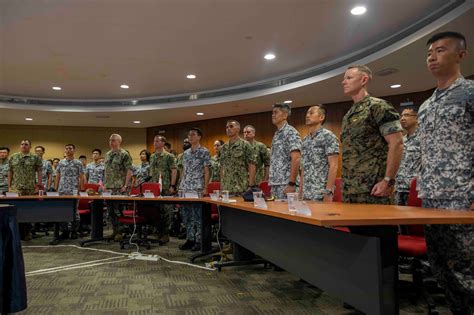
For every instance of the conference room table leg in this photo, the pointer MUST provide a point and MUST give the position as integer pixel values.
(97, 223)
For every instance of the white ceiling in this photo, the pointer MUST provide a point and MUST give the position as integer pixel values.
(91, 47)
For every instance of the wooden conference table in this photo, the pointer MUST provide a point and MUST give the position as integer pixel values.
(346, 265)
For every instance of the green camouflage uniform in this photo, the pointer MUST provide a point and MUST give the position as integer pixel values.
(215, 169)
(364, 149)
(24, 168)
(263, 159)
(234, 159)
(179, 167)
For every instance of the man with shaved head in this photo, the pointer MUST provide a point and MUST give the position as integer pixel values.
(261, 154)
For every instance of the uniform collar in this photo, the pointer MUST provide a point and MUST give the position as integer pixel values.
(283, 127)
(437, 94)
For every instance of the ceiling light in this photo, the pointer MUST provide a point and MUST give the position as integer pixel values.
(395, 86)
(29, 119)
(200, 114)
(191, 76)
(124, 86)
(137, 122)
(288, 102)
(57, 88)
(269, 56)
(358, 10)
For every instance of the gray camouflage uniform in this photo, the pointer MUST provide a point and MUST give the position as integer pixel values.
(194, 162)
(46, 169)
(446, 182)
(95, 172)
(3, 176)
(286, 140)
(69, 172)
(314, 162)
(409, 168)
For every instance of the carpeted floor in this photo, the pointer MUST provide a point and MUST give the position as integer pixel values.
(144, 287)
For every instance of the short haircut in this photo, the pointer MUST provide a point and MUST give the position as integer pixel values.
(5, 149)
(283, 107)
(147, 153)
(250, 126)
(29, 141)
(41, 147)
(220, 141)
(233, 121)
(197, 130)
(168, 145)
(73, 146)
(363, 69)
(56, 159)
(97, 150)
(461, 40)
(117, 136)
(322, 110)
(82, 157)
(162, 138)
(412, 109)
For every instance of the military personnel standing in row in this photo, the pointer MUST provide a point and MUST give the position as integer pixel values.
(411, 159)
(4, 152)
(215, 165)
(46, 169)
(447, 157)
(179, 159)
(24, 177)
(261, 153)
(69, 180)
(196, 161)
(163, 170)
(141, 173)
(319, 158)
(95, 169)
(285, 153)
(237, 161)
(118, 173)
(83, 160)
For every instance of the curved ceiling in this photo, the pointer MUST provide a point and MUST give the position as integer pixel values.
(90, 48)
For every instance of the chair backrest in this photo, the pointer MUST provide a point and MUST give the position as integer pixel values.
(413, 200)
(135, 190)
(213, 186)
(94, 187)
(337, 190)
(153, 187)
(265, 189)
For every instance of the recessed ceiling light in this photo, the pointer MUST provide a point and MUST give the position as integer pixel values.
(57, 88)
(358, 10)
(200, 114)
(288, 102)
(191, 76)
(269, 56)
(395, 86)
(124, 86)
(137, 122)
(29, 119)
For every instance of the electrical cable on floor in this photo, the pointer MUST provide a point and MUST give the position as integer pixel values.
(75, 246)
(77, 267)
(66, 267)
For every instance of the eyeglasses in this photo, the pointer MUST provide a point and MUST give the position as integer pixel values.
(407, 115)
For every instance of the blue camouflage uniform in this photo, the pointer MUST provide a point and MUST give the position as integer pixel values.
(141, 173)
(194, 162)
(409, 168)
(446, 182)
(314, 162)
(95, 172)
(3, 176)
(46, 170)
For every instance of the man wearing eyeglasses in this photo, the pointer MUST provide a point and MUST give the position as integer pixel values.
(411, 159)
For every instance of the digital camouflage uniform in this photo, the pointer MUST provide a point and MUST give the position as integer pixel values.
(3, 176)
(262, 158)
(409, 168)
(235, 158)
(46, 169)
(194, 162)
(364, 149)
(95, 172)
(141, 173)
(162, 164)
(117, 164)
(446, 182)
(69, 172)
(215, 169)
(179, 167)
(314, 162)
(24, 168)
(286, 140)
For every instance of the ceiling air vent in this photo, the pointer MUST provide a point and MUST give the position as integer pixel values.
(386, 72)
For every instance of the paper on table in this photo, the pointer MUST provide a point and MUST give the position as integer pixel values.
(149, 195)
(11, 194)
(302, 208)
(192, 195)
(259, 203)
(52, 194)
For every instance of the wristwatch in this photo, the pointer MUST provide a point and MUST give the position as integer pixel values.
(390, 181)
(327, 192)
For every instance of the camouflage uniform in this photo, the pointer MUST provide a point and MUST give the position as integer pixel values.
(286, 140)
(24, 168)
(235, 158)
(179, 167)
(117, 164)
(446, 182)
(263, 159)
(46, 169)
(162, 164)
(194, 162)
(215, 169)
(364, 149)
(409, 168)
(69, 174)
(141, 173)
(95, 172)
(3, 176)
(314, 162)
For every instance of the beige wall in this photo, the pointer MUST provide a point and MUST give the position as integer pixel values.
(53, 138)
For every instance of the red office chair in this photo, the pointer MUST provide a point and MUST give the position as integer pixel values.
(83, 207)
(155, 188)
(267, 192)
(134, 191)
(337, 197)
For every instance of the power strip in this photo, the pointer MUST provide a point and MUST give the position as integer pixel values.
(140, 256)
